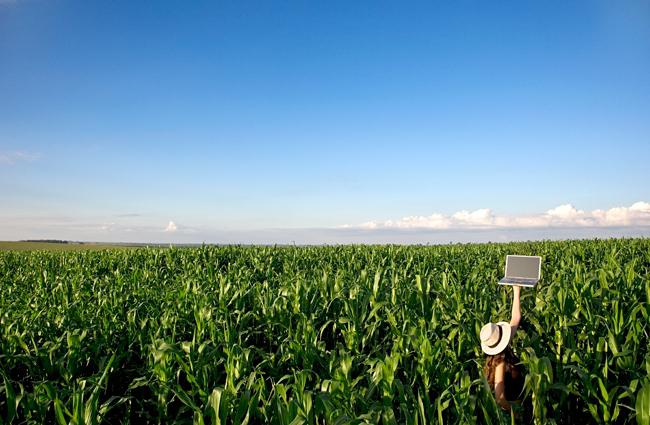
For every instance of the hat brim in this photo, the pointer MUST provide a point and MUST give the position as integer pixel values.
(506, 334)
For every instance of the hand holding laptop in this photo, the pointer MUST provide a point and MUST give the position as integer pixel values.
(522, 270)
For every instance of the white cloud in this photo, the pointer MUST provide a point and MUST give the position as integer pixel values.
(433, 221)
(482, 217)
(107, 227)
(565, 215)
(566, 211)
(10, 158)
(171, 227)
(621, 216)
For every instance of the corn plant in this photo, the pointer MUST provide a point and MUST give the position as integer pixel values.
(320, 335)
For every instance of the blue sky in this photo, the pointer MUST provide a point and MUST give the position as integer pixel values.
(323, 121)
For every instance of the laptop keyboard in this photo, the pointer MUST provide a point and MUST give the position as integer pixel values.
(518, 280)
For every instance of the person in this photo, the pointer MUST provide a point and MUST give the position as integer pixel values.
(503, 373)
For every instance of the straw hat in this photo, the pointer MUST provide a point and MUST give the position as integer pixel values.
(495, 337)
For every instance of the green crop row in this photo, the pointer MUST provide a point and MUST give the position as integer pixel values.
(320, 335)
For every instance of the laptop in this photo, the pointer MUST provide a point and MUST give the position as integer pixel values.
(522, 270)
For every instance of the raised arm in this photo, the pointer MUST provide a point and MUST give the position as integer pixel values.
(516, 312)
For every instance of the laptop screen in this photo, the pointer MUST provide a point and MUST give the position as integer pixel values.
(523, 266)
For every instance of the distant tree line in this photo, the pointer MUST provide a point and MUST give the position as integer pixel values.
(45, 240)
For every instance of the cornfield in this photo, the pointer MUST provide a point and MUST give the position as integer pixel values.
(320, 335)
